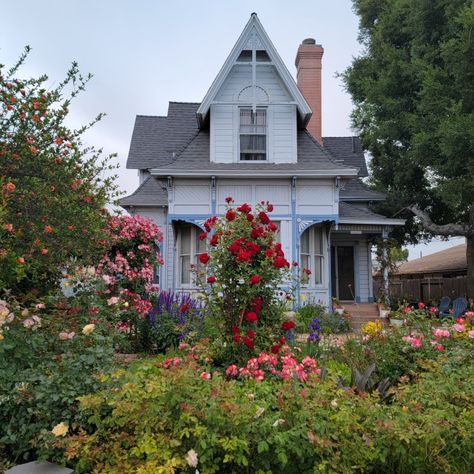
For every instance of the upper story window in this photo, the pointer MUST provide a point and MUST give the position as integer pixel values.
(253, 135)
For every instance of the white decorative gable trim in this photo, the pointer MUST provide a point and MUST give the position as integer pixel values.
(254, 36)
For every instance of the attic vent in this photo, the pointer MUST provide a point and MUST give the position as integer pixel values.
(246, 56)
(262, 57)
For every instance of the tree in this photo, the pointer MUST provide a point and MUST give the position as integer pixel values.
(52, 187)
(413, 90)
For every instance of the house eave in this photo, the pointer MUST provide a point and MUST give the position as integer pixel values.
(164, 172)
(388, 222)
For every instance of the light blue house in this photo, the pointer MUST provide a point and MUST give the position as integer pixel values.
(256, 136)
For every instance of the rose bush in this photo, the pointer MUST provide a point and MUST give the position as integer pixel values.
(240, 277)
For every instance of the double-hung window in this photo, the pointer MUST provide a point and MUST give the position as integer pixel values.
(189, 248)
(312, 254)
(253, 134)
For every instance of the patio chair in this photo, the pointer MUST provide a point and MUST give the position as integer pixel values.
(443, 308)
(459, 306)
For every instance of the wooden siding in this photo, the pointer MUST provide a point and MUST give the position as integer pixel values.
(281, 115)
(315, 197)
(191, 197)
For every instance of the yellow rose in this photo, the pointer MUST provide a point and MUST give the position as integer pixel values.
(87, 329)
(60, 429)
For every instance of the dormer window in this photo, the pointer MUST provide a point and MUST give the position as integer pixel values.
(253, 135)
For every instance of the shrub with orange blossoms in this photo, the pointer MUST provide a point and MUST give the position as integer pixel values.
(51, 199)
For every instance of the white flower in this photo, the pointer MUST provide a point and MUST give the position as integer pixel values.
(334, 403)
(259, 411)
(278, 422)
(241, 281)
(192, 458)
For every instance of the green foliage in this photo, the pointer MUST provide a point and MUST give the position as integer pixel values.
(154, 417)
(330, 323)
(46, 362)
(52, 187)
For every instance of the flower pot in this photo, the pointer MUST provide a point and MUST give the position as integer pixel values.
(339, 311)
(396, 322)
(383, 313)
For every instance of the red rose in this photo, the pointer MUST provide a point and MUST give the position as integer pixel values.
(202, 235)
(269, 207)
(235, 330)
(288, 325)
(250, 217)
(257, 304)
(245, 208)
(10, 187)
(282, 340)
(275, 349)
(251, 317)
(243, 256)
(249, 342)
(257, 232)
(280, 262)
(228, 199)
(254, 279)
(184, 308)
(264, 219)
(236, 338)
(273, 227)
(250, 334)
(211, 279)
(204, 258)
(252, 247)
(269, 253)
(230, 215)
(214, 240)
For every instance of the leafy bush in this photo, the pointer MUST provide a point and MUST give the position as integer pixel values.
(171, 420)
(330, 323)
(173, 318)
(48, 357)
(52, 196)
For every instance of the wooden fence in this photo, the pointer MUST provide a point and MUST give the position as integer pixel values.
(424, 289)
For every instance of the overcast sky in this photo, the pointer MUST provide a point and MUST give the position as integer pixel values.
(144, 53)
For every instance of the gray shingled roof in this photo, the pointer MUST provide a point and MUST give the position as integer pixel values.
(311, 156)
(152, 192)
(348, 149)
(353, 211)
(155, 139)
(357, 190)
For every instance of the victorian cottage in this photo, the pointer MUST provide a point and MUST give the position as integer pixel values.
(256, 136)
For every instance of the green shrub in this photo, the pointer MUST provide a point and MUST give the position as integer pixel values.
(158, 420)
(46, 362)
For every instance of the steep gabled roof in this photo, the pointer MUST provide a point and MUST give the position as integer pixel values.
(152, 192)
(255, 27)
(348, 149)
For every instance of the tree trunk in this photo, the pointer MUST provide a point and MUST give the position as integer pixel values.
(470, 256)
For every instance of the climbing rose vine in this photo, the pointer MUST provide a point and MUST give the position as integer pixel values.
(240, 273)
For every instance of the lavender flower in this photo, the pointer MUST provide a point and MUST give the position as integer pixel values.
(314, 330)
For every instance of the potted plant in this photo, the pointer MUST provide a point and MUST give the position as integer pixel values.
(337, 306)
(384, 310)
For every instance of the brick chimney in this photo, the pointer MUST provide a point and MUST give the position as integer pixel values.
(308, 73)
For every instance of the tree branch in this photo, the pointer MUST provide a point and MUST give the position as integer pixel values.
(445, 230)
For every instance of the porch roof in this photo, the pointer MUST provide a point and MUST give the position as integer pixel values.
(361, 214)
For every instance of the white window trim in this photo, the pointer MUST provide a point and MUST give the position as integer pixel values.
(312, 257)
(267, 135)
(194, 255)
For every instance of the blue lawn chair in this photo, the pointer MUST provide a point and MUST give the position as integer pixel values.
(459, 306)
(443, 308)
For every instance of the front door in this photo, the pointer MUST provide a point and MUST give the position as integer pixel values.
(342, 271)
